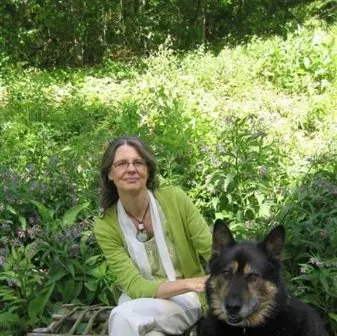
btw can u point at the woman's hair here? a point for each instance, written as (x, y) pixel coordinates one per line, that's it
(109, 193)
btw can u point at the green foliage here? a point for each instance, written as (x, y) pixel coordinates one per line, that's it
(254, 151)
(310, 219)
(50, 263)
(305, 62)
(77, 33)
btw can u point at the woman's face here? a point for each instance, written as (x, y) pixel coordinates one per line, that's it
(128, 171)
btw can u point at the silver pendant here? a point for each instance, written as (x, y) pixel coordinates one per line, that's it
(142, 236)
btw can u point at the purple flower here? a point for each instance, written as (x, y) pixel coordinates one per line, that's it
(215, 161)
(304, 269)
(33, 231)
(315, 262)
(68, 235)
(13, 178)
(59, 237)
(12, 283)
(54, 160)
(21, 233)
(211, 189)
(249, 224)
(324, 234)
(75, 232)
(74, 250)
(91, 240)
(71, 187)
(5, 227)
(263, 171)
(16, 242)
(33, 186)
(44, 188)
(10, 199)
(221, 149)
(30, 167)
(4, 242)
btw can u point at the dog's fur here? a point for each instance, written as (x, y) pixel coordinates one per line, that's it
(246, 294)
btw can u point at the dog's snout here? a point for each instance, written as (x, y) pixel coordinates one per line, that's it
(233, 305)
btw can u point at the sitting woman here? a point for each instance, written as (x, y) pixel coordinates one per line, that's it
(152, 239)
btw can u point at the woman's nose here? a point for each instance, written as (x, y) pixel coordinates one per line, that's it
(131, 167)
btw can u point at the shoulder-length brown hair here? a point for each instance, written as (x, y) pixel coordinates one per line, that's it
(109, 193)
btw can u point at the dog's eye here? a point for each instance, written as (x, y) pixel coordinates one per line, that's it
(252, 277)
(227, 274)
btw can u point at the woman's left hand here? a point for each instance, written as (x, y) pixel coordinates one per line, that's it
(182, 286)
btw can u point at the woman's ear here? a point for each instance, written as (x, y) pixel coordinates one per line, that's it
(110, 175)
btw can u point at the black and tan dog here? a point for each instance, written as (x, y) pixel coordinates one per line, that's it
(246, 294)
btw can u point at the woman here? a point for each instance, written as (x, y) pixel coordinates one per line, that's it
(152, 239)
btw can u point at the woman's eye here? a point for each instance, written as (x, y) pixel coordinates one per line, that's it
(139, 164)
(122, 164)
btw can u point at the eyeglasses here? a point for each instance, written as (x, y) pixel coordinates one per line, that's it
(125, 164)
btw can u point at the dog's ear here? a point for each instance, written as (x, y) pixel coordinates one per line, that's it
(222, 237)
(274, 242)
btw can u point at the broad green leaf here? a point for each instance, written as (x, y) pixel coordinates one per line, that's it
(11, 209)
(306, 62)
(91, 285)
(45, 213)
(69, 290)
(23, 222)
(99, 271)
(324, 282)
(92, 260)
(71, 269)
(78, 289)
(260, 197)
(333, 316)
(264, 210)
(31, 250)
(228, 180)
(37, 305)
(10, 275)
(71, 214)
(215, 202)
(57, 276)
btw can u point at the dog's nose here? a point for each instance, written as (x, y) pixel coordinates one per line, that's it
(233, 305)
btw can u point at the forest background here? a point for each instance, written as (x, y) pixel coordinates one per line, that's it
(237, 99)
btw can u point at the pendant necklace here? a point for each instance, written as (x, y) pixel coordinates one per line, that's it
(141, 233)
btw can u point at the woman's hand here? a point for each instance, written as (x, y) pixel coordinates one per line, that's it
(177, 287)
(197, 284)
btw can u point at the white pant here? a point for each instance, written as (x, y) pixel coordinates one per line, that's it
(154, 317)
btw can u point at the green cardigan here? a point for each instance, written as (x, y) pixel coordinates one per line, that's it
(187, 230)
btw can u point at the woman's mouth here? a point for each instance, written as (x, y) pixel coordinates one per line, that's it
(131, 180)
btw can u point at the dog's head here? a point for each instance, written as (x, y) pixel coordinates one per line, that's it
(245, 286)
